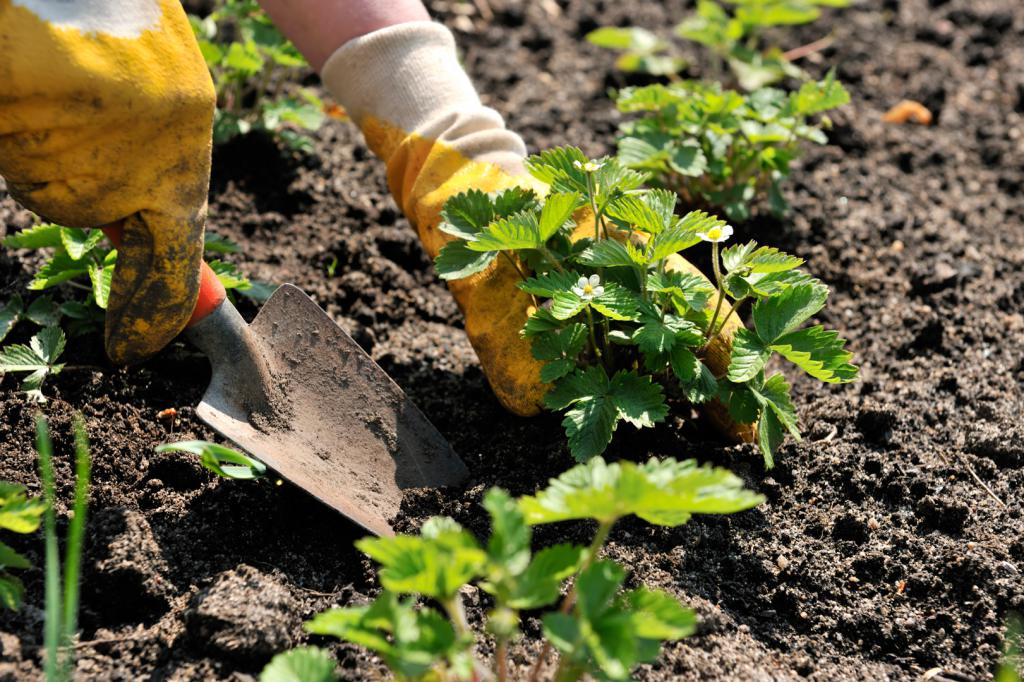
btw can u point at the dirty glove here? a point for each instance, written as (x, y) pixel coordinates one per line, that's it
(105, 115)
(419, 112)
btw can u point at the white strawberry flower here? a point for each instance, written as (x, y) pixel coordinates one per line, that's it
(587, 167)
(588, 289)
(718, 233)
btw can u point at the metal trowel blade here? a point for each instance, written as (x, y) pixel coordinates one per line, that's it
(296, 392)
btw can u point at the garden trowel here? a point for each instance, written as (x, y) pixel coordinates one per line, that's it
(296, 392)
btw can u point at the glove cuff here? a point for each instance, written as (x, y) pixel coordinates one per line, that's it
(406, 79)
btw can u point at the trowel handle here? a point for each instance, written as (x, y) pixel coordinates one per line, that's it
(211, 291)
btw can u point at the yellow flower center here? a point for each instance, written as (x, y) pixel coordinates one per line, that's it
(715, 233)
(587, 289)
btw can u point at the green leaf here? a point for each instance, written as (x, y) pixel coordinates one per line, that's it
(663, 492)
(744, 406)
(696, 379)
(777, 416)
(229, 275)
(221, 460)
(10, 313)
(304, 664)
(566, 304)
(11, 559)
(632, 38)
(638, 399)
(589, 425)
(559, 350)
(101, 277)
(520, 231)
(18, 512)
(688, 160)
(765, 259)
(781, 314)
(215, 243)
(580, 385)
(35, 237)
(12, 591)
(540, 584)
(79, 242)
(539, 322)
(563, 631)
(557, 213)
(509, 544)
(57, 270)
(749, 356)
(38, 359)
(457, 261)
(616, 303)
(465, 214)
(245, 58)
(687, 288)
(660, 332)
(659, 616)
(683, 234)
(610, 253)
(558, 168)
(549, 283)
(436, 563)
(814, 98)
(43, 312)
(818, 352)
(651, 212)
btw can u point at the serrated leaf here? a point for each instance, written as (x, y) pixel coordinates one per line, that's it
(744, 405)
(683, 234)
(616, 303)
(539, 322)
(18, 512)
(688, 160)
(540, 584)
(696, 379)
(774, 393)
(77, 242)
(12, 591)
(663, 492)
(216, 243)
(519, 231)
(304, 664)
(638, 399)
(11, 559)
(228, 274)
(57, 270)
(43, 311)
(659, 616)
(814, 98)
(581, 385)
(456, 261)
(784, 312)
(549, 283)
(749, 356)
(589, 426)
(101, 277)
(651, 212)
(509, 544)
(818, 352)
(557, 212)
(686, 288)
(559, 349)
(558, 168)
(566, 304)
(436, 563)
(609, 253)
(465, 214)
(10, 313)
(35, 237)
(221, 460)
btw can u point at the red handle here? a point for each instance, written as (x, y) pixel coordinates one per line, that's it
(211, 291)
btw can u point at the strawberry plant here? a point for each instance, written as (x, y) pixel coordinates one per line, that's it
(719, 148)
(253, 67)
(599, 628)
(18, 514)
(221, 460)
(733, 36)
(620, 321)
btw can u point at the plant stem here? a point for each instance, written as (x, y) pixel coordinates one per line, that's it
(721, 290)
(458, 615)
(501, 660)
(522, 274)
(570, 597)
(73, 551)
(593, 337)
(725, 320)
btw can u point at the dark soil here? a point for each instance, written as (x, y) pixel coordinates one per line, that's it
(878, 554)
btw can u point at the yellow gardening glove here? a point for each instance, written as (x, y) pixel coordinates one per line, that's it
(106, 111)
(419, 112)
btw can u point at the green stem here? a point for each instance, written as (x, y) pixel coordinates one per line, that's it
(73, 551)
(570, 598)
(593, 337)
(725, 320)
(721, 290)
(522, 274)
(52, 597)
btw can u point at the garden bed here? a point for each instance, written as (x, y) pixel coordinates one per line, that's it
(892, 541)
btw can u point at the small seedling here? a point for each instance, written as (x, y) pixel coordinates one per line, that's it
(82, 264)
(252, 67)
(1012, 662)
(18, 514)
(721, 149)
(61, 620)
(219, 459)
(599, 629)
(732, 36)
(619, 320)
